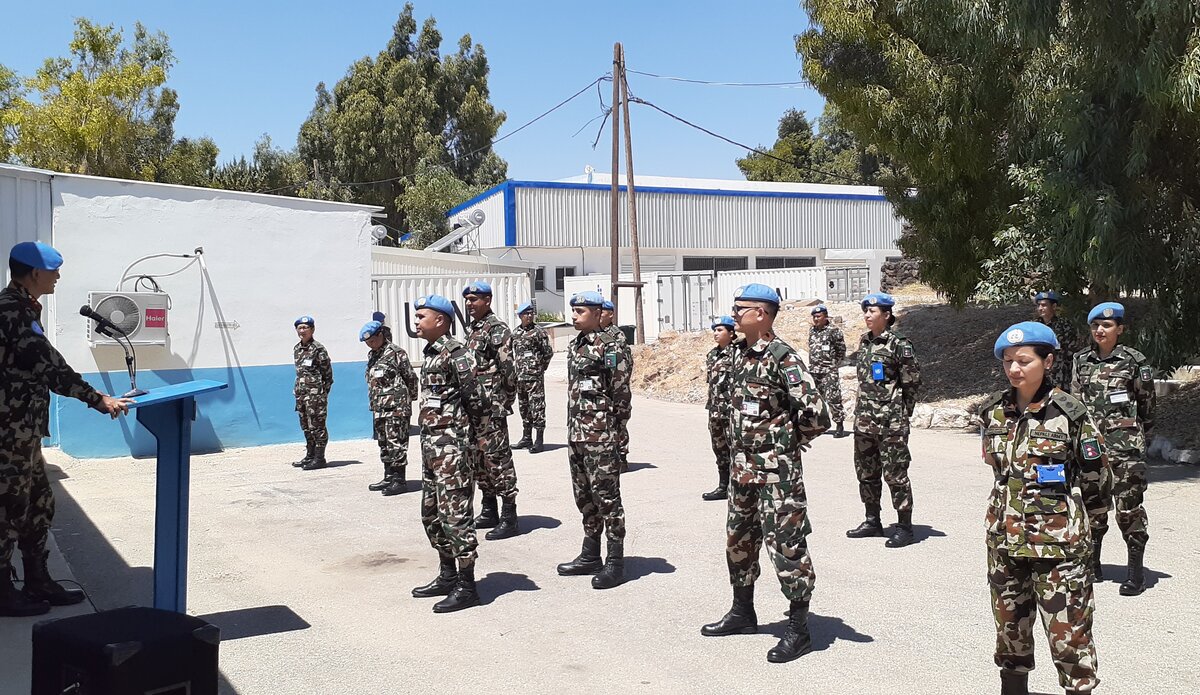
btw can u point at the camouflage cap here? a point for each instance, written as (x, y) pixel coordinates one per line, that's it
(1025, 333)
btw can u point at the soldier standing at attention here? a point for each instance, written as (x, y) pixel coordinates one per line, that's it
(490, 343)
(1048, 458)
(776, 412)
(608, 322)
(391, 386)
(30, 368)
(719, 364)
(597, 399)
(314, 378)
(449, 398)
(888, 379)
(826, 350)
(532, 348)
(1117, 385)
(1064, 330)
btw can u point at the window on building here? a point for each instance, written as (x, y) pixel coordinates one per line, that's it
(774, 262)
(560, 273)
(715, 263)
(539, 279)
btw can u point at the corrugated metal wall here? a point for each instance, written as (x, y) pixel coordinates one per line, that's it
(791, 283)
(491, 232)
(25, 209)
(670, 301)
(386, 260)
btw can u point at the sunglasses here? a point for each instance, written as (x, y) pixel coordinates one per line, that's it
(738, 308)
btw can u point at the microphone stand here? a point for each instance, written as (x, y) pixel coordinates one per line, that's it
(130, 358)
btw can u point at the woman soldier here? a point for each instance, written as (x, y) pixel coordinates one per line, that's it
(1048, 458)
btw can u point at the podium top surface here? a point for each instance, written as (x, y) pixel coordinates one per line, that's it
(174, 392)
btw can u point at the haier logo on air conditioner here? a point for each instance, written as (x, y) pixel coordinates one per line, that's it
(141, 315)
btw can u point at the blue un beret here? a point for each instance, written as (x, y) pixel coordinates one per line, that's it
(588, 298)
(1025, 333)
(820, 309)
(37, 255)
(436, 302)
(879, 299)
(369, 329)
(527, 306)
(1050, 294)
(305, 319)
(608, 305)
(757, 292)
(478, 287)
(1107, 310)
(726, 321)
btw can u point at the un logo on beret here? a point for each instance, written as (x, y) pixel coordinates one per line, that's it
(1015, 336)
(421, 301)
(738, 292)
(873, 300)
(1108, 313)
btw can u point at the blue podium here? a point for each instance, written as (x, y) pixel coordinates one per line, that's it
(167, 412)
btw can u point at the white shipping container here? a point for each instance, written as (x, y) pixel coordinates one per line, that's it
(790, 283)
(395, 295)
(386, 260)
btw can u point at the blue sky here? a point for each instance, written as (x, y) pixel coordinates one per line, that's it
(248, 68)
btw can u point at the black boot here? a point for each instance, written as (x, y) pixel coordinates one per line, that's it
(1013, 683)
(871, 527)
(721, 492)
(624, 463)
(1135, 581)
(441, 584)
(741, 618)
(507, 528)
(841, 430)
(903, 535)
(525, 441)
(1097, 567)
(537, 446)
(613, 572)
(796, 642)
(382, 484)
(587, 562)
(318, 459)
(489, 516)
(17, 604)
(462, 596)
(40, 587)
(308, 454)
(398, 484)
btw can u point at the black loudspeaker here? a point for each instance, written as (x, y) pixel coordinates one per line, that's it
(127, 651)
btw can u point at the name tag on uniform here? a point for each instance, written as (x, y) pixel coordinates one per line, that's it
(433, 402)
(1051, 473)
(877, 371)
(1118, 397)
(378, 373)
(306, 363)
(750, 408)
(586, 385)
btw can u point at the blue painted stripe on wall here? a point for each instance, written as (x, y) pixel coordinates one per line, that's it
(256, 409)
(510, 217)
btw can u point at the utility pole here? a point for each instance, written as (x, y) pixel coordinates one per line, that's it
(633, 227)
(615, 207)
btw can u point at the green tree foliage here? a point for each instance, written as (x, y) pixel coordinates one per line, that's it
(830, 155)
(416, 123)
(1050, 142)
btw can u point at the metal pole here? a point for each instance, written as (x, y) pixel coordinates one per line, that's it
(615, 207)
(633, 228)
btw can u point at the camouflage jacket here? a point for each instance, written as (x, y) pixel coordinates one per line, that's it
(314, 371)
(1068, 340)
(30, 368)
(617, 334)
(719, 365)
(490, 343)
(598, 395)
(826, 349)
(391, 381)
(450, 398)
(1041, 516)
(884, 405)
(532, 351)
(1118, 391)
(776, 411)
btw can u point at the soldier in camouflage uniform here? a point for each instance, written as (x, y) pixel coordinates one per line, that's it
(718, 364)
(490, 342)
(826, 350)
(1116, 384)
(888, 380)
(391, 386)
(1051, 473)
(314, 378)
(608, 322)
(776, 412)
(1064, 330)
(598, 374)
(533, 353)
(30, 368)
(450, 398)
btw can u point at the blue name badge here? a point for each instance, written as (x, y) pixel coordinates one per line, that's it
(877, 371)
(1051, 473)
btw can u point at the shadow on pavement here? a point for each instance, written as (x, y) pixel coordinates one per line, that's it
(533, 522)
(496, 584)
(546, 446)
(339, 464)
(638, 567)
(825, 630)
(921, 532)
(255, 622)
(1116, 574)
(641, 466)
(1158, 471)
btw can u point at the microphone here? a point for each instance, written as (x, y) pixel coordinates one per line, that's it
(110, 329)
(90, 313)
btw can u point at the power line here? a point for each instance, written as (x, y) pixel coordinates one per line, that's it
(779, 85)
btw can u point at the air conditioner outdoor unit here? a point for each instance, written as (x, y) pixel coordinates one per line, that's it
(142, 315)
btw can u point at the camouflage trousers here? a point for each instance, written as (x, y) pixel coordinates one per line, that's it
(596, 482)
(1129, 493)
(718, 430)
(26, 500)
(491, 458)
(447, 516)
(623, 437)
(313, 411)
(778, 514)
(830, 386)
(1059, 589)
(880, 458)
(391, 433)
(531, 395)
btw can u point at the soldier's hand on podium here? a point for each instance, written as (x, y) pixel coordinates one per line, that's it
(115, 406)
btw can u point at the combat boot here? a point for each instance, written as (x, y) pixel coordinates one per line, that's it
(317, 461)
(40, 587)
(1013, 683)
(796, 641)
(537, 446)
(903, 535)
(1135, 581)
(624, 463)
(721, 492)
(489, 516)
(308, 454)
(18, 604)
(462, 596)
(1097, 566)
(442, 584)
(382, 484)
(870, 527)
(507, 528)
(841, 430)
(741, 618)
(525, 441)
(397, 484)
(587, 562)
(613, 572)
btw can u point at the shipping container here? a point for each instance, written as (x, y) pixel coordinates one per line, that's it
(387, 260)
(790, 283)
